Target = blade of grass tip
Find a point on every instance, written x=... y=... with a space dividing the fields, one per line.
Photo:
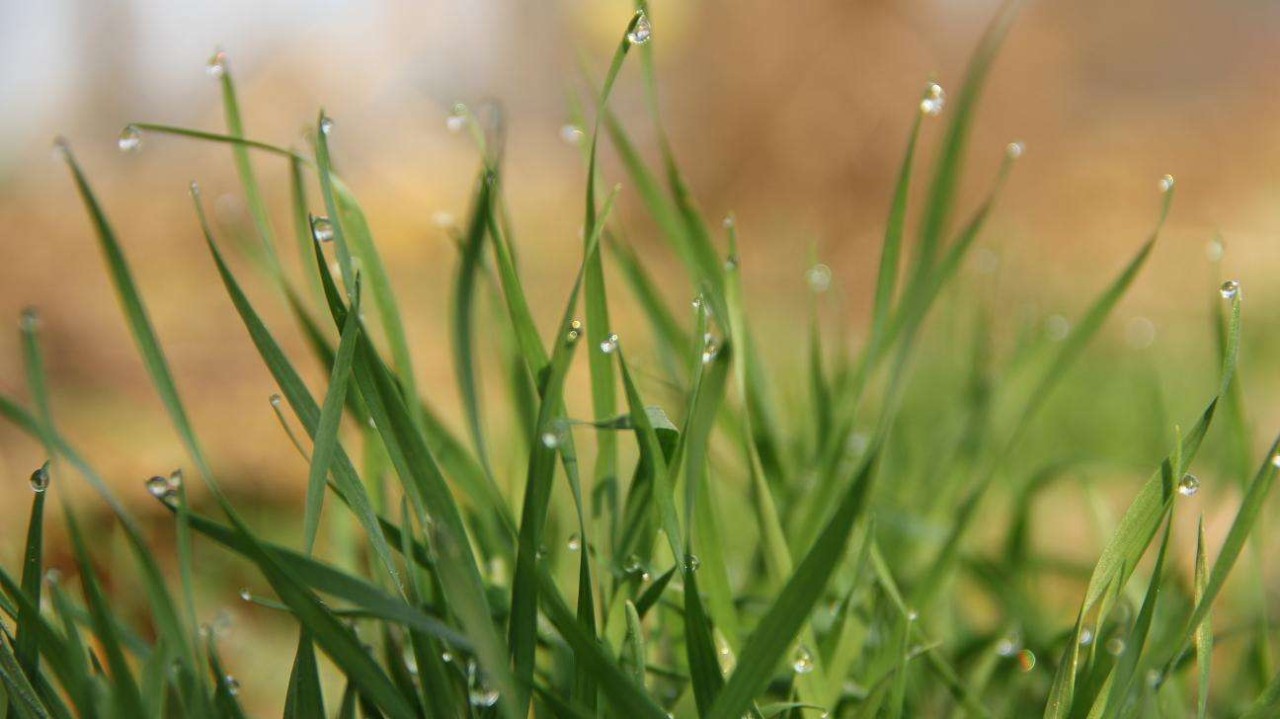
x=633 y=645
x=326 y=435
x=699 y=642
x=1204 y=632
x=304 y=697
x=941 y=199
x=226 y=687
x=701 y=507
x=464 y=360
x=426 y=486
x=786 y=617
x=27 y=645
x=21 y=695
x=664 y=507
x=216 y=137
x=624 y=695
x=295 y=391
x=335 y=225
x=244 y=168
x=125 y=695
x=1251 y=507
x=650 y=597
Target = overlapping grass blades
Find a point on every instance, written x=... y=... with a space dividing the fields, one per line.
x=768 y=556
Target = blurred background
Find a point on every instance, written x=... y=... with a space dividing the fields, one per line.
x=794 y=116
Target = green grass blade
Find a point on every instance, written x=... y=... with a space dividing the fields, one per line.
x=304 y=698
x=1204 y=632
x=126 y=698
x=464 y=359
x=304 y=406
x=326 y=435
x=700 y=645
x=787 y=615
x=1126 y=669
x=891 y=249
x=27 y=647
x=21 y=695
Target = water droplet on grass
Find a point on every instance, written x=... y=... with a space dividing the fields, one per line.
x=321 y=229
x=571 y=135
x=934 y=100
x=692 y=563
x=130 y=139
x=40 y=478
x=1057 y=327
x=1215 y=250
x=1166 y=183
x=575 y=542
x=1014 y=150
x=1086 y=636
x=232 y=684
x=217 y=65
x=245 y=594
x=819 y=278
x=1008 y=646
x=803 y=661
x=158 y=487
x=326 y=125
x=457 y=120
x=641 y=32
x=609 y=345
x=1115 y=646
x=1229 y=289
x=1188 y=485
x=550 y=440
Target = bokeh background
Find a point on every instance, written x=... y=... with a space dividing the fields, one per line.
x=791 y=115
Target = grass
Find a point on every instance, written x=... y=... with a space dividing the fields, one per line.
x=864 y=547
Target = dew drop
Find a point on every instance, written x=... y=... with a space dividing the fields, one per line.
x=912 y=615
x=641 y=32
x=457 y=120
x=691 y=562
x=935 y=99
x=803 y=661
x=29 y=320
x=232 y=684
x=53 y=575
x=1086 y=637
x=731 y=263
x=729 y=221
x=245 y=594
x=1215 y=250
x=275 y=400
x=40 y=478
x=1057 y=327
x=130 y=139
x=571 y=135
x=609 y=345
x=1115 y=646
x=1014 y=150
x=575 y=542
x=175 y=480
x=326 y=125
x=1229 y=289
x=575 y=332
x=709 y=348
x=1140 y=333
x=61 y=148
x=1275 y=460
x=446 y=657
x=819 y=278
x=550 y=440
x=1188 y=485
x=158 y=487
x=321 y=229
x=443 y=220
x=217 y=65
x=1026 y=660
x=1166 y=183
x=1008 y=645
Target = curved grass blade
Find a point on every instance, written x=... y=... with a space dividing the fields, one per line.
x=304 y=698
x=700 y=645
x=27 y=644
x=20 y=694
x=1204 y=632
x=463 y=296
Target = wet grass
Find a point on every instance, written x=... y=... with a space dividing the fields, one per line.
x=858 y=535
